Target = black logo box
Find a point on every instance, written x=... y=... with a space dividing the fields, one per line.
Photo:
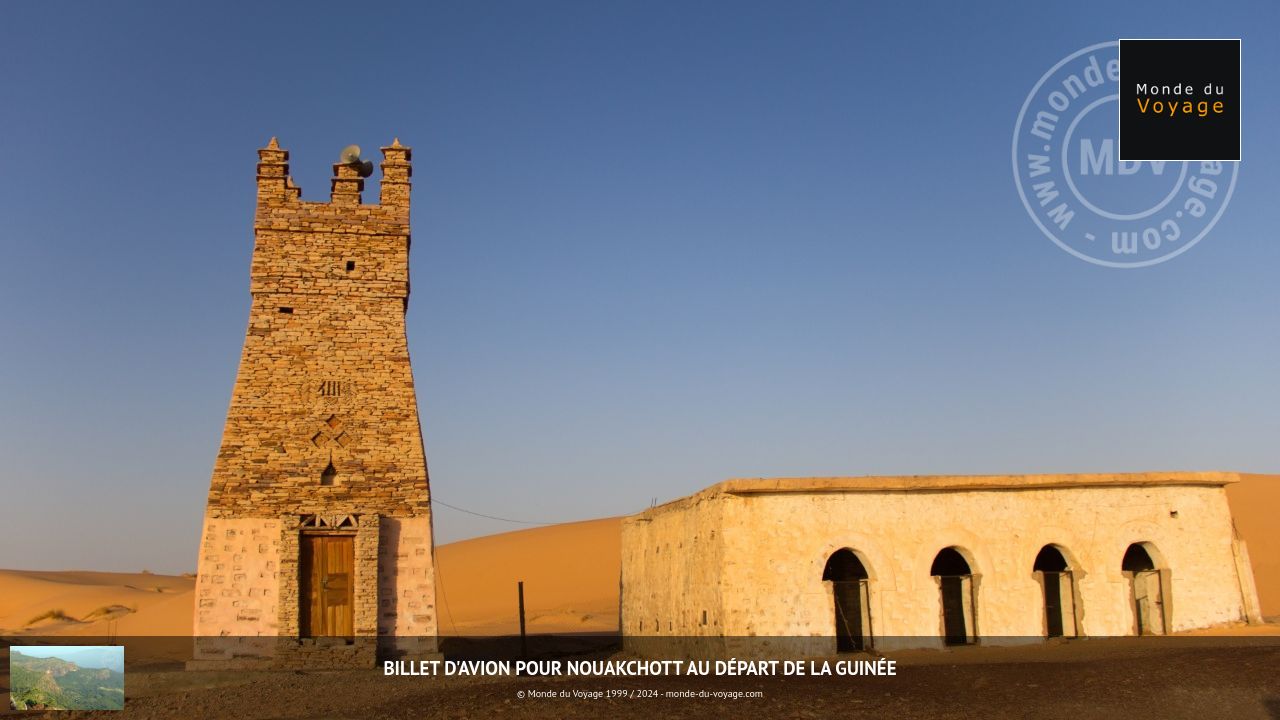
x=1208 y=133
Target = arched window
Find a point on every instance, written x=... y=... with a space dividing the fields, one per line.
x=1056 y=577
x=329 y=475
x=1149 y=585
x=955 y=585
x=1137 y=559
x=850 y=590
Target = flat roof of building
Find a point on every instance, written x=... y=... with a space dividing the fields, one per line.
x=926 y=483
x=946 y=483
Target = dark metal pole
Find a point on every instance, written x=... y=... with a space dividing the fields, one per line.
x=524 y=647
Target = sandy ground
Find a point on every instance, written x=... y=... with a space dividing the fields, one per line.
x=570 y=571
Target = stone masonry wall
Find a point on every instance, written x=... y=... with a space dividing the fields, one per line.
x=323 y=419
x=325 y=378
x=672 y=577
x=407 y=618
x=237 y=591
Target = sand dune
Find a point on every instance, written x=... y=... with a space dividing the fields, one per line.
x=95 y=603
x=1255 y=505
x=570 y=575
x=570 y=571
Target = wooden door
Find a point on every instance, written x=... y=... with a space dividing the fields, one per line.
x=1052 y=603
x=1148 y=602
x=864 y=607
x=328 y=586
x=849 y=614
x=956 y=612
x=970 y=608
x=1068 y=605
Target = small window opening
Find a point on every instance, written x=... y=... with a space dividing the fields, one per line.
x=704 y=617
x=286 y=310
x=351 y=265
x=329 y=475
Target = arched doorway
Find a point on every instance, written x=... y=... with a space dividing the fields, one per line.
x=1149 y=588
x=1055 y=575
x=850 y=590
x=955 y=583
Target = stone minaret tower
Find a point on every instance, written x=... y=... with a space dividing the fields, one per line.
x=317 y=542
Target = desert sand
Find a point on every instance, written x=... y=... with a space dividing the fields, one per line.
x=95 y=603
x=1255 y=505
x=570 y=571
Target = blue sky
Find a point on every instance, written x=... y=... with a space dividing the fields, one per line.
x=656 y=245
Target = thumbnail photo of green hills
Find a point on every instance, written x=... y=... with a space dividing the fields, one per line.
x=55 y=683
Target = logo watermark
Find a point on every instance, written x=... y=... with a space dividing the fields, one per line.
x=1082 y=196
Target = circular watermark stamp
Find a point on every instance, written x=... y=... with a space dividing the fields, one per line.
x=1104 y=210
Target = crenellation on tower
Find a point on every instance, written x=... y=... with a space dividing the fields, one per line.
x=397 y=171
x=273 y=173
x=346 y=185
